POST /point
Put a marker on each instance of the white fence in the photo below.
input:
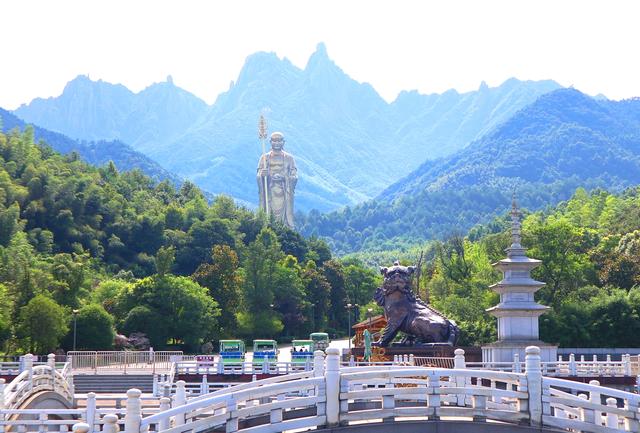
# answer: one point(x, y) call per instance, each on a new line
point(123, 361)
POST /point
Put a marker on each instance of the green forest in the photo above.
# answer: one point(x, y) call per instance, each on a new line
point(121, 253)
point(590, 252)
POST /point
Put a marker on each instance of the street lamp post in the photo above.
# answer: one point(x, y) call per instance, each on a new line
point(75, 315)
point(349, 307)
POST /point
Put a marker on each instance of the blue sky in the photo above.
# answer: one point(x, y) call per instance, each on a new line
point(401, 45)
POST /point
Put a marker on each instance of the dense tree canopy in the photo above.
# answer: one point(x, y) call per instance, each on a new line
point(134, 255)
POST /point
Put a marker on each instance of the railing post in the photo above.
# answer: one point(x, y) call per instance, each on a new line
point(612, 418)
point(2, 385)
point(459, 362)
point(80, 428)
point(517, 368)
point(534, 384)
point(91, 411)
point(204, 386)
point(133, 414)
point(626, 364)
point(179, 399)
point(110, 423)
point(165, 404)
point(275, 415)
point(631, 422)
point(155, 385)
point(573, 371)
point(433, 397)
point(332, 381)
point(586, 415)
point(28, 366)
point(51, 360)
point(232, 421)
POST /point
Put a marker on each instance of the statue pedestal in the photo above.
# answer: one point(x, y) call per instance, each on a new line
point(504, 351)
point(471, 353)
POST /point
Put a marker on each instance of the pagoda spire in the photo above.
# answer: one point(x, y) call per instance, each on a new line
point(516, 249)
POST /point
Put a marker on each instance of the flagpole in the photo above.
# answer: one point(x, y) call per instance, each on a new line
point(262, 134)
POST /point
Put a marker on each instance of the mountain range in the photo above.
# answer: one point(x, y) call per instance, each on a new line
point(349, 143)
point(97, 152)
point(564, 140)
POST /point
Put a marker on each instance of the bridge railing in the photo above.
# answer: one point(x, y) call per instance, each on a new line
point(246, 367)
point(627, 366)
point(36, 379)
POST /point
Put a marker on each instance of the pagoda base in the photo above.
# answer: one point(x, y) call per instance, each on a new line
point(503, 351)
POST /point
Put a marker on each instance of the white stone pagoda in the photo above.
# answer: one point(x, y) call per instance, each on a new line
point(517, 312)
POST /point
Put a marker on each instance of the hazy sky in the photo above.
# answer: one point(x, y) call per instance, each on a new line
point(394, 45)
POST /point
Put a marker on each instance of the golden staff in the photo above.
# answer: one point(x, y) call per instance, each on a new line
point(262, 134)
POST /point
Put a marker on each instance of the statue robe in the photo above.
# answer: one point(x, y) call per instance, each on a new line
point(280, 189)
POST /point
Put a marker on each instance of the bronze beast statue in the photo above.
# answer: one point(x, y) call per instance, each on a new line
point(404, 312)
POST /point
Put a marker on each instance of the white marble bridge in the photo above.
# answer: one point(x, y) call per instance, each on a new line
point(331, 396)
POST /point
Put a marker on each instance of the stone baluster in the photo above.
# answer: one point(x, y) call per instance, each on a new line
point(586, 415)
point(534, 385)
point(42, 426)
point(612, 418)
point(479, 404)
point(91, 411)
point(332, 381)
point(232, 410)
point(51, 363)
point(516, 363)
point(573, 371)
point(626, 365)
point(204, 386)
point(110, 423)
point(596, 365)
point(133, 414)
point(2, 405)
point(412, 360)
point(165, 404)
point(28, 366)
point(318, 371)
point(459, 362)
point(631, 422)
point(608, 368)
point(179, 399)
point(433, 396)
point(275, 415)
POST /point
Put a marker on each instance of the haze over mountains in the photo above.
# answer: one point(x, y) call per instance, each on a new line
point(349, 143)
point(563, 141)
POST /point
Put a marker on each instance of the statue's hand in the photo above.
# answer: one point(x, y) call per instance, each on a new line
point(277, 176)
point(262, 173)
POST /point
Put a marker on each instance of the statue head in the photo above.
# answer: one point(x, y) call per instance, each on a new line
point(277, 141)
point(397, 277)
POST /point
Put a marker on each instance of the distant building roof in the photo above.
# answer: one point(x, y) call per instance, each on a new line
point(375, 320)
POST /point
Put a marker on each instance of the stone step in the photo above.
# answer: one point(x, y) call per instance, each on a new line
point(112, 383)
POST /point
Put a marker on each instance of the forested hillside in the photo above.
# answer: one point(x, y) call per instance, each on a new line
point(94, 152)
point(563, 141)
point(134, 255)
point(590, 249)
